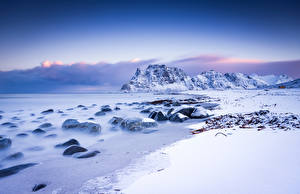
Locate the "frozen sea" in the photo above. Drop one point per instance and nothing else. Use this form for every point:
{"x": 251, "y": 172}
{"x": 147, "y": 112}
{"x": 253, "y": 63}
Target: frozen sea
{"x": 62, "y": 174}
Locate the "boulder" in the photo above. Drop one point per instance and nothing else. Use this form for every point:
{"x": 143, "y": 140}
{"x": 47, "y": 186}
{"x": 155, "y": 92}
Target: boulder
{"x": 38, "y": 131}
{"x": 89, "y": 127}
{"x": 100, "y": 113}
{"x": 38, "y": 187}
{"x": 158, "y": 116}
{"x": 22, "y": 135}
{"x": 47, "y": 111}
{"x": 14, "y": 169}
{"x": 88, "y": 155}
{"x": 200, "y": 113}
{"x": 117, "y": 108}
{"x": 178, "y": 117}
{"x": 67, "y": 143}
{"x": 9, "y": 124}
{"x": 148, "y": 122}
{"x": 132, "y": 124}
{"x": 187, "y": 111}
{"x": 73, "y": 149}
{"x": 51, "y": 136}
{"x": 5, "y": 143}
{"x": 116, "y": 120}
{"x": 45, "y": 125}
{"x": 106, "y": 108}
{"x": 15, "y": 156}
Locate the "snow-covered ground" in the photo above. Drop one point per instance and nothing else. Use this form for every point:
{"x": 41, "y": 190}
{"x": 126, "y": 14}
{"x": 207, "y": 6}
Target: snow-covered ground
{"x": 244, "y": 161}
{"x": 157, "y": 160}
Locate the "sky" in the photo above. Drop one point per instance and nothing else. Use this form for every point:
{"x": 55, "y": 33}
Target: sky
{"x": 246, "y": 36}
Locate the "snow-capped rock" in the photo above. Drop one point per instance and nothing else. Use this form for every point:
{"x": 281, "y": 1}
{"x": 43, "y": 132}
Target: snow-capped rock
{"x": 163, "y": 78}
{"x": 159, "y": 78}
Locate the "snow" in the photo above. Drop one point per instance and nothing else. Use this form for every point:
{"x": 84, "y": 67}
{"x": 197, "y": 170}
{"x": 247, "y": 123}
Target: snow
{"x": 148, "y": 120}
{"x": 244, "y": 162}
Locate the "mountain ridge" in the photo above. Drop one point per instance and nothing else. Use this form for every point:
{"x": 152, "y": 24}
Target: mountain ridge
{"x": 158, "y": 77}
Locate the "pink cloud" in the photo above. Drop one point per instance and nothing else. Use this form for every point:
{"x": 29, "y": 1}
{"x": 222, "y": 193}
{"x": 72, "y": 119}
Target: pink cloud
{"x": 48, "y": 63}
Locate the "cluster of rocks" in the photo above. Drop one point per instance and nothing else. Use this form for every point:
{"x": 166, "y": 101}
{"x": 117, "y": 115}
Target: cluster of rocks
{"x": 259, "y": 120}
{"x": 88, "y": 127}
{"x": 72, "y": 147}
{"x": 105, "y": 109}
{"x": 133, "y": 124}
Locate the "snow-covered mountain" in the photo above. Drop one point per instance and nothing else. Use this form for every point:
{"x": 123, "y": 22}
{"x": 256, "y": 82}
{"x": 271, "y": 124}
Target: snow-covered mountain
{"x": 272, "y": 79}
{"x": 163, "y": 78}
{"x": 159, "y": 77}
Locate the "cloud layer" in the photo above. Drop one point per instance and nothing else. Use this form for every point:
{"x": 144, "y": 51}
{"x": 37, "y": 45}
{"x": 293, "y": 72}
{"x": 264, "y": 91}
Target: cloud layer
{"x": 85, "y": 77}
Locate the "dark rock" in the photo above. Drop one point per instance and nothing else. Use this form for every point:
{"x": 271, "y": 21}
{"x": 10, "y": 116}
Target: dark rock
{"x": 152, "y": 114}
{"x": 89, "y": 154}
{"x": 51, "y": 136}
{"x": 0, "y": 116}
{"x": 5, "y": 143}
{"x": 170, "y": 112}
{"x": 47, "y": 111}
{"x": 84, "y": 108}
{"x": 45, "y": 125}
{"x": 38, "y": 187}
{"x": 148, "y": 110}
{"x": 91, "y": 118}
{"x": 116, "y": 120}
{"x": 176, "y": 104}
{"x": 80, "y": 106}
{"x": 40, "y": 118}
{"x": 117, "y": 108}
{"x": 99, "y": 113}
{"x": 38, "y": 131}
{"x": 32, "y": 114}
{"x": 9, "y": 124}
{"x": 200, "y": 113}
{"x": 60, "y": 111}
{"x": 1, "y": 112}
{"x": 187, "y": 111}
{"x": 15, "y": 156}
{"x": 89, "y": 127}
{"x": 158, "y": 116}
{"x": 67, "y": 143}
{"x": 70, "y": 109}
{"x": 14, "y": 169}
{"x": 22, "y": 135}
{"x": 106, "y": 108}
{"x": 132, "y": 124}
{"x": 15, "y": 118}
{"x": 73, "y": 149}
{"x": 178, "y": 117}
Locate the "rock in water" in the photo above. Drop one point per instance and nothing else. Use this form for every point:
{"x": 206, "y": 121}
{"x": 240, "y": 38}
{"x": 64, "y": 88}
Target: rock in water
{"x": 89, "y": 154}
{"x": 116, "y": 120}
{"x": 132, "y": 124}
{"x": 73, "y": 149}
{"x": 106, "y": 108}
{"x": 186, "y": 111}
{"x": 14, "y": 169}
{"x": 68, "y": 143}
{"x": 47, "y": 111}
{"x": 5, "y": 143}
{"x": 178, "y": 117}
{"x": 15, "y": 156}
{"x": 38, "y": 187}
{"x": 89, "y": 127}
{"x": 38, "y": 131}
{"x": 99, "y": 113}
{"x": 45, "y": 125}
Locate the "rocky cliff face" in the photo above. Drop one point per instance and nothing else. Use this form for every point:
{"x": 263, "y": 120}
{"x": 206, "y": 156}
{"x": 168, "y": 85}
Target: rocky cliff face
{"x": 163, "y": 78}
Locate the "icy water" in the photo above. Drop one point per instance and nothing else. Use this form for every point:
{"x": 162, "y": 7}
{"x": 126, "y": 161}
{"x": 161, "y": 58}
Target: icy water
{"x": 66, "y": 174}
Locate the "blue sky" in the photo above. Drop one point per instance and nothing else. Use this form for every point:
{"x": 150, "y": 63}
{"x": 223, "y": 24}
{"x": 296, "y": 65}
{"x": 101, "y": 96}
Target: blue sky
{"x": 93, "y": 31}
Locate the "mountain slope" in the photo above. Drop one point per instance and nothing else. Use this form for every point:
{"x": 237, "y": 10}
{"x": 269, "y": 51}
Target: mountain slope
{"x": 163, "y": 78}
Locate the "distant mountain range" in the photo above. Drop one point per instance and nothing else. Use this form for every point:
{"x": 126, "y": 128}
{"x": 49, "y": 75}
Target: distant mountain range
{"x": 163, "y": 78}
